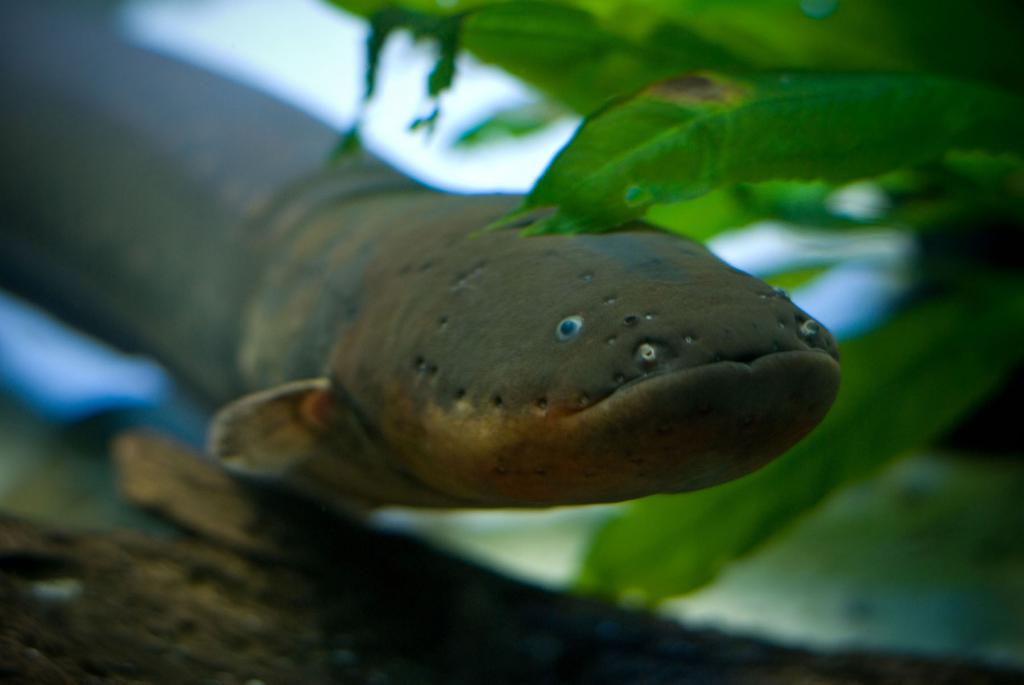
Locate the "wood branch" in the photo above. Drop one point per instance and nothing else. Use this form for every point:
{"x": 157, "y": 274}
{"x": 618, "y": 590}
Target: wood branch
{"x": 270, "y": 589}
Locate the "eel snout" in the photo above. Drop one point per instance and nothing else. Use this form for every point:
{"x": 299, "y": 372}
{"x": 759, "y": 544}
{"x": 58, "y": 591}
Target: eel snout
{"x": 673, "y": 431}
{"x": 652, "y": 356}
{"x": 700, "y": 426}
{"x": 763, "y": 377}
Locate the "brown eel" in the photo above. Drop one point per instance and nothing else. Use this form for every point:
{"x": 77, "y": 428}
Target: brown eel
{"x": 366, "y": 344}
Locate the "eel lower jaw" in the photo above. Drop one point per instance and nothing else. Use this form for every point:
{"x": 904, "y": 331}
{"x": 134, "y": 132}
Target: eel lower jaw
{"x": 709, "y": 424}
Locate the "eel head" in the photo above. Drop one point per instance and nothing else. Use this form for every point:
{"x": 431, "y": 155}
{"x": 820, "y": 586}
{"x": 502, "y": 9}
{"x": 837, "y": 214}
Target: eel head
{"x": 557, "y": 370}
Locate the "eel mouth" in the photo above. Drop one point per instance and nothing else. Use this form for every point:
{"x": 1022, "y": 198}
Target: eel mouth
{"x": 673, "y": 430}
{"x": 703, "y": 425}
{"x": 690, "y": 377}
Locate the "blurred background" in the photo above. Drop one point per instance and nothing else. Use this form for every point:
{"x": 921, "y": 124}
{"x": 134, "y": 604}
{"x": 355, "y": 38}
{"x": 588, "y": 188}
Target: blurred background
{"x": 922, "y": 552}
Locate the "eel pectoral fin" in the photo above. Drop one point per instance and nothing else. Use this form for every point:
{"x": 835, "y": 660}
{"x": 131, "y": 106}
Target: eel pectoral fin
{"x": 309, "y": 436}
{"x": 269, "y": 433}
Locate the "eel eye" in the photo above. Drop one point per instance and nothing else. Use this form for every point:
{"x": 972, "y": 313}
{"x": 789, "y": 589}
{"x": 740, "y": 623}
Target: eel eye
{"x": 569, "y": 327}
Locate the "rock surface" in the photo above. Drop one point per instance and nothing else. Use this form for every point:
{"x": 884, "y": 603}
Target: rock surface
{"x": 265, "y": 588}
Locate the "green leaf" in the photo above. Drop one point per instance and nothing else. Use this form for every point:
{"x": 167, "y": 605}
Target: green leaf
{"x": 735, "y": 206}
{"x": 583, "y": 54}
{"x": 903, "y": 385}
{"x": 792, "y": 201}
{"x": 382, "y": 25}
{"x": 579, "y": 61}
{"x": 443, "y": 30}
{"x": 975, "y": 41}
{"x": 965, "y": 191}
{"x": 563, "y": 51}
{"x": 517, "y": 121}
{"x": 705, "y": 216}
{"x": 681, "y": 138}
{"x": 349, "y": 144}
{"x": 795, "y": 278}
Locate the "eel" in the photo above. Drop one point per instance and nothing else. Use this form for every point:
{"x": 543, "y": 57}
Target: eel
{"x": 365, "y": 342}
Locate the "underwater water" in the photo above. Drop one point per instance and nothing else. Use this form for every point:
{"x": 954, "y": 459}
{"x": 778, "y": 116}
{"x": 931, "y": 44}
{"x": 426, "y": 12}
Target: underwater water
{"x": 926, "y": 557}
{"x": 951, "y": 519}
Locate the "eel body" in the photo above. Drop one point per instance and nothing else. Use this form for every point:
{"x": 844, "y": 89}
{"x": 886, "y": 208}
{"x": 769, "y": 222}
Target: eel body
{"x": 365, "y": 342}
